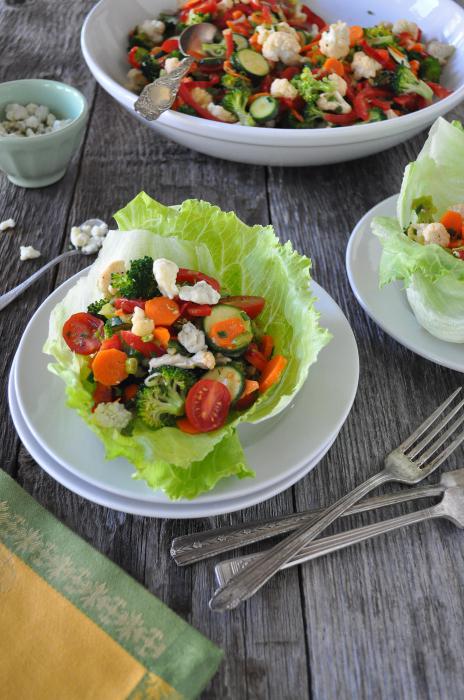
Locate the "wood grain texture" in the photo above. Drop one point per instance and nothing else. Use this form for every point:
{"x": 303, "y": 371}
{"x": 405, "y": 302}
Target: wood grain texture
{"x": 383, "y": 620}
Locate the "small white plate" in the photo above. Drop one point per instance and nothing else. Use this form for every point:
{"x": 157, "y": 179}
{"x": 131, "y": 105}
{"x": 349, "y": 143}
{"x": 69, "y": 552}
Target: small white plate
{"x": 388, "y": 306}
{"x": 276, "y": 449}
{"x": 188, "y": 510}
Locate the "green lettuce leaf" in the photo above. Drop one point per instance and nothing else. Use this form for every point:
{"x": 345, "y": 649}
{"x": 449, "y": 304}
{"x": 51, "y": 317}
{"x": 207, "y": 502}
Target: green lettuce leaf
{"x": 246, "y": 260}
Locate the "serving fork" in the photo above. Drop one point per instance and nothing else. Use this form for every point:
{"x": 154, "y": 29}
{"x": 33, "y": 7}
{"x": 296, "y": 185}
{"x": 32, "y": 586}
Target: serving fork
{"x": 412, "y": 461}
{"x": 451, "y": 507}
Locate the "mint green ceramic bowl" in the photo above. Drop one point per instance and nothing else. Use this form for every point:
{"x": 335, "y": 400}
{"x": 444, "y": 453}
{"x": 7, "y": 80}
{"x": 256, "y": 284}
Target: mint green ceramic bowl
{"x": 37, "y": 161}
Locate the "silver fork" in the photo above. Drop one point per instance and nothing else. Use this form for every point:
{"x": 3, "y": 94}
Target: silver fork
{"x": 451, "y": 507}
{"x": 409, "y": 463}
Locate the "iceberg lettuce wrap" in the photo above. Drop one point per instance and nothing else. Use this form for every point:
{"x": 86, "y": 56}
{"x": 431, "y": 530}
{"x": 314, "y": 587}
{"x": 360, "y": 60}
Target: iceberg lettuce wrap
{"x": 423, "y": 247}
{"x": 246, "y": 260}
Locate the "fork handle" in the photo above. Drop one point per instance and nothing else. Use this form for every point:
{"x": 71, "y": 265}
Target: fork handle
{"x": 189, "y": 549}
{"x": 326, "y": 545}
{"x": 247, "y": 582}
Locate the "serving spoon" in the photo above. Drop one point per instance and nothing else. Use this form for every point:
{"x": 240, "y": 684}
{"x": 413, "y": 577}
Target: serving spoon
{"x": 14, "y": 293}
{"x": 158, "y": 96}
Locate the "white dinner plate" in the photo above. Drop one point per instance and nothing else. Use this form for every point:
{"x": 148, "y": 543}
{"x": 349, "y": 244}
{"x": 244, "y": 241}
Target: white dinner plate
{"x": 275, "y": 449}
{"x": 188, "y": 510}
{"x": 388, "y": 306}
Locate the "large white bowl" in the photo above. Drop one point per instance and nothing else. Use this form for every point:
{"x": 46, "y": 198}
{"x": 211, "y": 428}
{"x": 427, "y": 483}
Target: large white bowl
{"x": 104, "y": 39}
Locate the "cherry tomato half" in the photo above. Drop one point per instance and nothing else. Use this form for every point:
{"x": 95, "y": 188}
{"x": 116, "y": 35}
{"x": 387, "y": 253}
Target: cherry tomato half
{"x": 251, "y": 305}
{"x": 192, "y": 276}
{"x": 192, "y": 310}
{"x": 207, "y": 405}
{"x": 102, "y": 394}
{"x": 128, "y": 305}
{"x": 136, "y": 342}
{"x": 82, "y": 333}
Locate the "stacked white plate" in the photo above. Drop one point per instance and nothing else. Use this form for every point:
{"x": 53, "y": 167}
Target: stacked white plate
{"x": 281, "y": 450}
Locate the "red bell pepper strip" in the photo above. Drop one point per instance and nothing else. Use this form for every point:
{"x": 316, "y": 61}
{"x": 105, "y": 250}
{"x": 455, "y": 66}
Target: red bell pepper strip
{"x": 289, "y": 72}
{"x": 408, "y": 102}
{"x": 380, "y": 55}
{"x": 439, "y": 90}
{"x": 128, "y": 305}
{"x": 135, "y": 54}
{"x": 341, "y": 119}
{"x": 312, "y": 18}
{"x": 382, "y": 104}
{"x": 267, "y": 16}
{"x": 170, "y": 45}
{"x": 229, "y": 41}
{"x": 361, "y": 100}
{"x": 184, "y": 94}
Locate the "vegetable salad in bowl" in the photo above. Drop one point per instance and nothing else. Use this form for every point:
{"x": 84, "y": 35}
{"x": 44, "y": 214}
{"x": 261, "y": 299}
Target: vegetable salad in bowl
{"x": 188, "y": 323}
{"x": 424, "y": 247}
{"x": 281, "y": 65}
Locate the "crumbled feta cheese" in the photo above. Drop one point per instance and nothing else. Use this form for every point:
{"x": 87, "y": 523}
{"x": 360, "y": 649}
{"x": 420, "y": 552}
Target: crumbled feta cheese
{"x": 51, "y": 119}
{"x": 363, "y": 66}
{"x": 201, "y": 96}
{"x": 200, "y": 293}
{"x": 192, "y": 338}
{"x": 42, "y": 113}
{"x": 92, "y": 247}
{"x": 154, "y": 29}
{"x": 30, "y": 120}
{"x": 333, "y": 102}
{"x": 104, "y": 280}
{"x": 135, "y": 80}
{"x": 221, "y": 113}
{"x": 340, "y": 83}
{"x": 78, "y": 237}
{"x": 141, "y": 325}
{"x": 456, "y": 207}
{"x": 440, "y": 51}
{"x": 99, "y": 230}
{"x": 88, "y": 238}
{"x": 283, "y": 45}
{"x": 281, "y": 87}
{"x": 170, "y": 64}
{"x": 32, "y": 108}
{"x": 27, "y": 252}
{"x": 15, "y": 112}
{"x": 8, "y": 223}
{"x": 203, "y": 360}
{"x": 405, "y": 26}
{"x": 436, "y": 233}
{"x": 112, "y": 415}
{"x": 165, "y": 274}
{"x": 335, "y": 41}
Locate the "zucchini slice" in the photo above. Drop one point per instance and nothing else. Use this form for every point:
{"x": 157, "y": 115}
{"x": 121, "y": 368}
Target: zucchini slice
{"x": 240, "y": 41}
{"x": 239, "y": 343}
{"x": 251, "y": 62}
{"x": 264, "y": 108}
{"x": 231, "y": 377}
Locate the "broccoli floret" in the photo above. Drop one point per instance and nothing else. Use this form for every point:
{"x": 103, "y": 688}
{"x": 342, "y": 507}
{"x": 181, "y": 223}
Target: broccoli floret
{"x": 197, "y": 18}
{"x": 424, "y": 210}
{"x": 311, "y": 114}
{"x": 170, "y": 22}
{"x": 384, "y": 78}
{"x": 376, "y": 115}
{"x": 310, "y": 88}
{"x": 235, "y": 101}
{"x": 380, "y": 35}
{"x": 96, "y": 306}
{"x": 405, "y": 83}
{"x": 150, "y": 67}
{"x": 160, "y": 403}
{"x": 230, "y": 82}
{"x": 138, "y": 282}
{"x": 430, "y": 69}
{"x": 186, "y": 109}
{"x": 140, "y": 39}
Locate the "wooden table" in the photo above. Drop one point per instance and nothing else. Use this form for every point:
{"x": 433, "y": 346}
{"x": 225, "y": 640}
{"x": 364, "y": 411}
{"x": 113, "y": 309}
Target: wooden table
{"x": 383, "y": 620}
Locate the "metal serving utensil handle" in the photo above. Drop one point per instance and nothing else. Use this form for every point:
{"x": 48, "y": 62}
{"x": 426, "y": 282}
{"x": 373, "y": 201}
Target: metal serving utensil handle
{"x": 158, "y": 96}
{"x": 248, "y": 582}
{"x": 10, "y": 296}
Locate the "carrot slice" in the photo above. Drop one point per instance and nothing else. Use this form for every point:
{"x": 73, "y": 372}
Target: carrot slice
{"x": 185, "y": 425}
{"x": 272, "y": 372}
{"x": 452, "y": 219}
{"x": 224, "y": 332}
{"x": 130, "y": 392}
{"x": 267, "y": 346}
{"x": 162, "y": 335}
{"x": 356, "y": 34}
{"x": 333, "y": 65}
{"x": 161, "y": 310}
{"x": 109, "y": 367}
{"x": 414, "y": 65}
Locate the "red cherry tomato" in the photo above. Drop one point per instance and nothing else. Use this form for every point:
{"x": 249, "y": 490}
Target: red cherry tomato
{"x": 255, "y": 357}
{"x": 207, "y": 405}
{"x": 192, "y": 276}
{"x": 251, "y": 305}
{"x": 192, "y": 310}
{"x": 136, "y": 342}
{"x": 113, "y": 342}
{"x": 128, "y": 305}
{"x": 102, "y": 394}
{"x": 82, "y": 333}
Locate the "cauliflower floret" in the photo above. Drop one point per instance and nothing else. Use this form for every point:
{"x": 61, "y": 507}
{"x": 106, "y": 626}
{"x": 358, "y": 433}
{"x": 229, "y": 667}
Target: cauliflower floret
{"x": 221, "y": 113}
{"x": 192, "y": 338}
{"x": 363, "y": 66}
{"x": 335, "y": 41}
{"x": 341, "y": 85}
{"x": 203, "y": 359}
{"x": 436, "y": 233}
{"x": 154, "y": 29}
{"x": 201, "y": 96}
{"x": 405, "y": 26}
{"x": 200, "y": 293}
{"x": 283, "y": 45}
{"x": 333, "y": 102}
{"x": 104, "y": 280}
{"x": 112, "y": 415}
{"x": 171, "y": 64}
{"x": 459, "y": 208}
{"x": 141, "y": 325}
{"x": 78, "y": 237}
{"x": 263, "y": 33}
{"x": 27, "y": 252}
{"x": 165, "y": 274}
{"x": 281, "y": 87}
{"x": 440, "y": 51}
